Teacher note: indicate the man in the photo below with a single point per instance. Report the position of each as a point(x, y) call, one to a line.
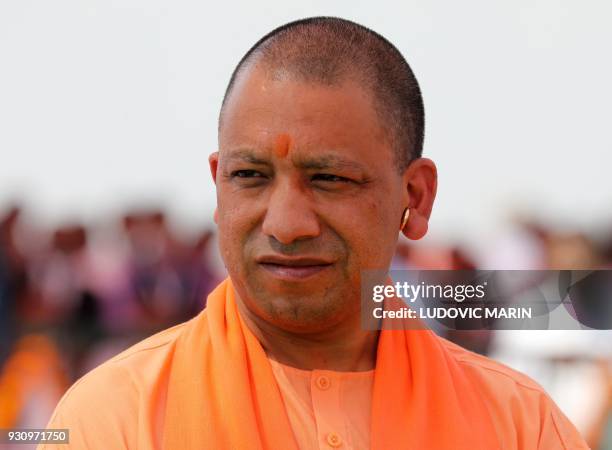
point(318, 170)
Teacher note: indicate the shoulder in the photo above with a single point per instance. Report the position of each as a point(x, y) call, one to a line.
point(112, 405)
point(487, 368)
point(128, 369)
point(138, 360)
point(521, 409)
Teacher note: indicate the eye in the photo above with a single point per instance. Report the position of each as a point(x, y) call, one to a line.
point(246, 173)
point(329, 177)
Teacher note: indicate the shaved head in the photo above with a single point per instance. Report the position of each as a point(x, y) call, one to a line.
point(330, 51)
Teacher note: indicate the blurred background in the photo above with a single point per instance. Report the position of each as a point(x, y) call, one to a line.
point(108, 112)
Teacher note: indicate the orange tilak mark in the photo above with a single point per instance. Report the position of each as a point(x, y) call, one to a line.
point(283, 142)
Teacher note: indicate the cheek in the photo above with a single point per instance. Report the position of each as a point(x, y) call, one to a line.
point(380, 235)
point(234, 226)
point(368, 230)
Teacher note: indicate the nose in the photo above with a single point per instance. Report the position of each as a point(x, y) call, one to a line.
point(290, 215)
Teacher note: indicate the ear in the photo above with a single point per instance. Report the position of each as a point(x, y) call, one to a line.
point(213, 162)
point(421, 182)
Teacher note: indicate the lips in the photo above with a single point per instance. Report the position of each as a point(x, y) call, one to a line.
point(293, 269)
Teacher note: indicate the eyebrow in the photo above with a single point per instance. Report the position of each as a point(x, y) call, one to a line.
point(329, 162)
point(249, 156)
point(323, 162)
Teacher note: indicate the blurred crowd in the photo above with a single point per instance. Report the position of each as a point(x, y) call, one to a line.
point(72, 297)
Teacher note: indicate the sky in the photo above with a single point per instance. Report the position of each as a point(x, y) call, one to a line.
point(105, 104)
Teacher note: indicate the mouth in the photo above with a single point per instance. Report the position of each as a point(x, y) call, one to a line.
point(293, 269)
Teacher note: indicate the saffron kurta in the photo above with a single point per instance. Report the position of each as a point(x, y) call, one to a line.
point(208, 384)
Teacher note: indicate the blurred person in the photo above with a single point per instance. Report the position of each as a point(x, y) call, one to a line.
point(58, 274)
point(112, 281)
point(154, 268)
point(461, 260)
point(57, 294)
point(571, 250)
point(68, 284)
point(198, 274)
point(6, 306)
point(606, 253)
point(401, 258)
point(31, 382)
point(422, 257)
point(319, 169)
point(520, 246)
point(13, 278)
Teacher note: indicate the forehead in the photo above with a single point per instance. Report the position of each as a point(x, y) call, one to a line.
point(264, 105)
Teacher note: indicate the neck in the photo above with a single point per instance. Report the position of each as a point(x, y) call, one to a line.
point(343, 348)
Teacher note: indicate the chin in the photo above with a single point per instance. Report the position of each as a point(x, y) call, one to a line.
point(303, 313)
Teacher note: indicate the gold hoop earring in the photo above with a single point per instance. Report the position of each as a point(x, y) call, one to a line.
point(405, 217)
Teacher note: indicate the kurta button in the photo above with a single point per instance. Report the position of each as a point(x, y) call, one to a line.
point(323, 382)
point(334, 440)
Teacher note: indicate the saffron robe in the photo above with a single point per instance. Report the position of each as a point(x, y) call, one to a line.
point(208, 384)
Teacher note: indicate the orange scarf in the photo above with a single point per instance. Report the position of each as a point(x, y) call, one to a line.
point(222, 393)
